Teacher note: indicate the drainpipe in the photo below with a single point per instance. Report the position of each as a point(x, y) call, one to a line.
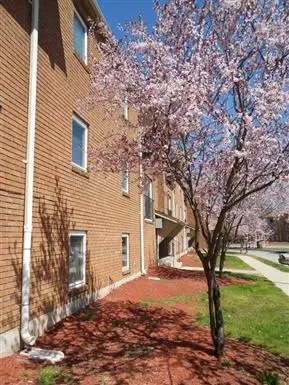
point(142, 263)
point(27, 338)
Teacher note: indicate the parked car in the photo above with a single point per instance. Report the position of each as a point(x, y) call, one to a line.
point(284, 258)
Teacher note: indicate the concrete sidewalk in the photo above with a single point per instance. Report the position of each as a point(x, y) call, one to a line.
point(240, 271)
point(279, 278)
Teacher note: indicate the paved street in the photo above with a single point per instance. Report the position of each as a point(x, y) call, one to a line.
point(271, 255)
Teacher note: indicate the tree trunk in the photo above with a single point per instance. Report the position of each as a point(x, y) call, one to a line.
point(223, 254)
point(241, 247)
point(222, 261)
point(216, 314)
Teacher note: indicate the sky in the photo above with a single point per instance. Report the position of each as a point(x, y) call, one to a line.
point(119, 11)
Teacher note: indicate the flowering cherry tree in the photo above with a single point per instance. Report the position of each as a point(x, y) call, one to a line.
point(246, 223)
point(208, 86)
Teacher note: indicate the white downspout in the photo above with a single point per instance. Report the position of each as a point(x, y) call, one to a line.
point(27, 338)
point(141, 215)
point(142, 263)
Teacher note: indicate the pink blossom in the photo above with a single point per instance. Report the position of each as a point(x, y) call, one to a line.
point(211, 98)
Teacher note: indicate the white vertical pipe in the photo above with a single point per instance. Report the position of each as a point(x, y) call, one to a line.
point(142, 262)
point(27, 338)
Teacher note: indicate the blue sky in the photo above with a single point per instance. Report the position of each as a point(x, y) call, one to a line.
point(119, 11)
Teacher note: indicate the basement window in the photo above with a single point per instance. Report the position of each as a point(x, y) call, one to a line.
point(125, 252)
point(80, 37)
point(77, 251)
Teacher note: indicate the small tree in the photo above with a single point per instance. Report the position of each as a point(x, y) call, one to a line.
point(209, 87)
point(246, 222)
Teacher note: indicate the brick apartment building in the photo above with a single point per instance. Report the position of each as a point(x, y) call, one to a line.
point(90, 231)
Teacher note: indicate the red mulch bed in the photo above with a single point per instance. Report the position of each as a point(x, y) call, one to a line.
point(118, 341)
point(191, 259)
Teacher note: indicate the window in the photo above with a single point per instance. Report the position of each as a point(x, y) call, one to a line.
point(124, 181)
point(173, 204)
point(77, 246)
point(80, 37)
point(181, 213)
point(125, 111)
point(125, 251)
point(172, 248)
point(169, 205)
point(185, 215)
point(79, 143)
point(148, 201)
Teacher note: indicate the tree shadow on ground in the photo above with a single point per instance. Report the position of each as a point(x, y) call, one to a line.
point(126, 343)
point(172, 273)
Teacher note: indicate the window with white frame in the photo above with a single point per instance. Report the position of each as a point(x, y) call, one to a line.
point(80, 37)
point(125, 181)
point(173, 204)
point(79, 143)
point(171, 248)
point(77, 250)
point(148, 200)
point(125, 111)
point(125, 251)
point(169, 205)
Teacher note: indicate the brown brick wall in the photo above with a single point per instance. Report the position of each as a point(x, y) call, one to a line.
point(14, 67)
point(150, 243)
point(64, 199)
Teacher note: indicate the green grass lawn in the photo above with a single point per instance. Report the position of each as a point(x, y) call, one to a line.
point(273, 264)
point(233, 262)
point(257, 313)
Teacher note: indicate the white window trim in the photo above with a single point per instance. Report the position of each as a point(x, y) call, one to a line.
point(125, 190)
point(85, 35)
point(77, 284)
point(84, 125)
point(126, 268)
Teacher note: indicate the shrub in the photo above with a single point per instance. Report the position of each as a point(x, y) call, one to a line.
point(52, 375)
